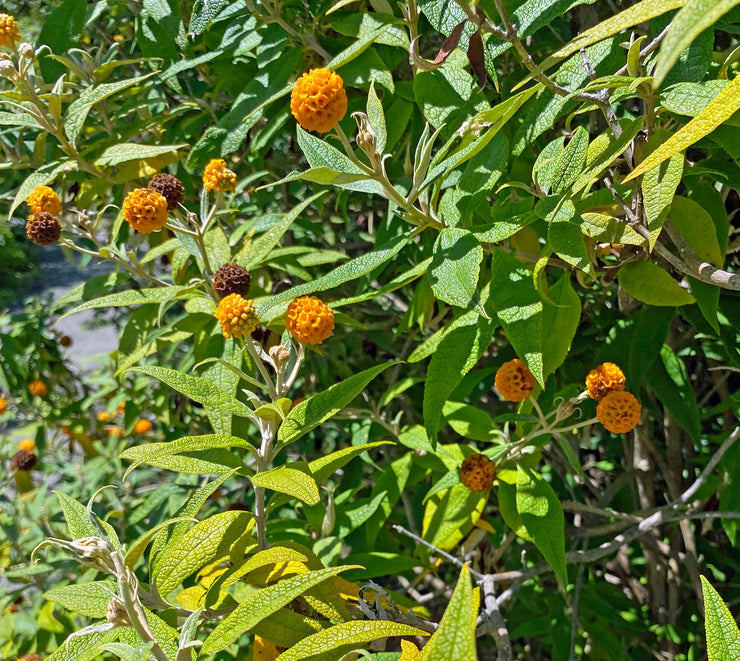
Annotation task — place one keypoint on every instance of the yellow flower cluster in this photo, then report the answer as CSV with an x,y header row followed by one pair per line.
x,y
37,388
604,379
218,177
237,316
477,472
145,210
318,100
43,198
514,381
309,320
8,30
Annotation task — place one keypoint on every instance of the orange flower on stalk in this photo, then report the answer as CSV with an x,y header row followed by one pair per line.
x,y
237,316
218,177
309,320
142,426
477,472
514,381
145,210
318,100
37,388
8,30
43,198
604,379
619,412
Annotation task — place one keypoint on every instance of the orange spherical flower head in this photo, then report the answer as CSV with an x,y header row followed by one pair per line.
x,y
619,411
28,446
8,30
145,210
514,381
103,416
142,426
169,186
43,228
604,379
23,460
218,177
232,279
477,472
318,100
237,316
309,320
43,198
3,405
37,388
115,431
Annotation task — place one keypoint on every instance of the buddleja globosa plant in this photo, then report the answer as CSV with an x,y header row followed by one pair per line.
x,y
535,196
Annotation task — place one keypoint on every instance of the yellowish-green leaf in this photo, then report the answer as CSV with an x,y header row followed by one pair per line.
x,y
295,480
695,17
649,283
350,635
207,542
609,229
723,636
450,516
89,599
717,111
454,639
263,603
697,228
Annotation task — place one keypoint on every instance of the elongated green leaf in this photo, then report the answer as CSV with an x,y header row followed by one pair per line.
x,y
717,111
322,406
458,352
648,337
346,636
80,107
451,515
347,272
649,283
608,229
532,510
472,422
324,467
260,249
697,228
566,240
84,647
454,639
294,480
153,453
40,177
638,13
570,162
131,297
261,559
207,542
204,11
723,636
658,188
519,309
455,266
431,344
197,388
133,151
695,17
89,599
670,381
376,116
559,323
78,521
263,603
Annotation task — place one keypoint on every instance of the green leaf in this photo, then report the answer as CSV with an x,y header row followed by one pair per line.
x,y
157,454
646,342
204,11
532,510
697,229
40,177
649,283
717,111
133,151
454,639
260,249
89,599
80,107
455,267
322,406
197,388
271,556
85,647
658,188
471,422
352,270
324,467
207,542
449,517
294,480
607,229
431,344
570,162
519,309
18,119
78,521
566,240
376,116
131,297
458,352
261,604
559,324
695,17
691,98
344,637
670,381
723,636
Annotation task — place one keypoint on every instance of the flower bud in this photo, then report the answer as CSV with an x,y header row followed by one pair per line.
x,y
117,613
27,51
7,69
